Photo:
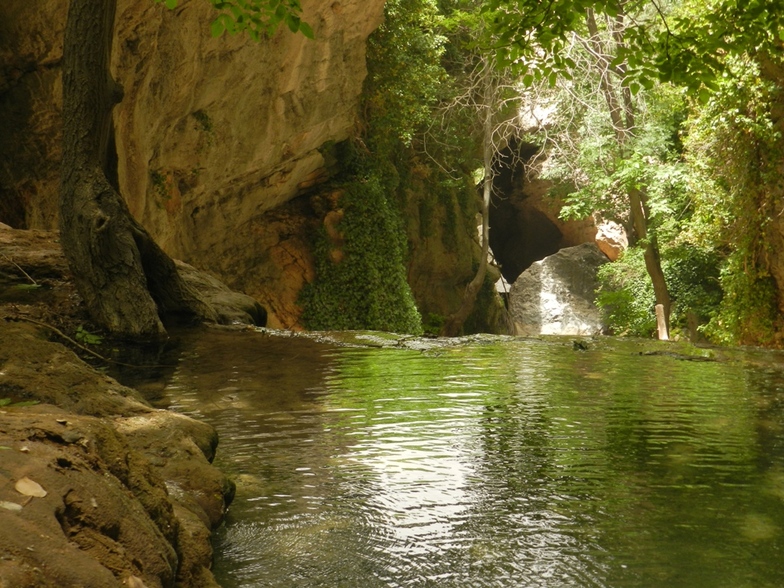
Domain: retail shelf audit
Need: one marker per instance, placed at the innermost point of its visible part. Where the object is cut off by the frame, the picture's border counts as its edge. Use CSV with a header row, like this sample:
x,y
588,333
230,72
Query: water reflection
x,y
499,463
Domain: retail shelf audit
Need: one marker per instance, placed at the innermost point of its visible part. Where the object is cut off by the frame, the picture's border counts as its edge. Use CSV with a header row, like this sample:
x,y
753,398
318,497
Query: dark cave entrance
x,y
520,231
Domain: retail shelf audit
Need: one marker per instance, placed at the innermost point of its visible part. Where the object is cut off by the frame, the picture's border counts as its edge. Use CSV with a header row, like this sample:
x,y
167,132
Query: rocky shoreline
x,y
97,488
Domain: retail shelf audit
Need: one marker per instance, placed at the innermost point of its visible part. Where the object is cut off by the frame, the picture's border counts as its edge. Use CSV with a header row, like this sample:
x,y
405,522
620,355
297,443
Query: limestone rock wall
x,y
212,133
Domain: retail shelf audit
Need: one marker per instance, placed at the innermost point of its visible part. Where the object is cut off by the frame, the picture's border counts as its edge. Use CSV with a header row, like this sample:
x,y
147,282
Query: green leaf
x,y
217,28
171,4
306,30
5,401
292,22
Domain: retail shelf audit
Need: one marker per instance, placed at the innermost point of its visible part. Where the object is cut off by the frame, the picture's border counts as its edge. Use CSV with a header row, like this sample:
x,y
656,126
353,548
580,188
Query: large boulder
x,y
556,296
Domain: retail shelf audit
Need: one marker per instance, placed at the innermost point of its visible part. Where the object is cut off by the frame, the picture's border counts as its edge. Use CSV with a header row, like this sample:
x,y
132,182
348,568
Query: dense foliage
x,y
406,178
367,289
703,81
627,296
734,150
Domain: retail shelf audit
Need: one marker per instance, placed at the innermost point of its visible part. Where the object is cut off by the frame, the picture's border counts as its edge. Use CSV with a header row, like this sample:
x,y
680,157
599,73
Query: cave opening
x,y
520,232
524,223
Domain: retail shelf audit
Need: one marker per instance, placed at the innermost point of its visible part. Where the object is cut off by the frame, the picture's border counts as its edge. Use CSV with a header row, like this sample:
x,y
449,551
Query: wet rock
x,y
556,296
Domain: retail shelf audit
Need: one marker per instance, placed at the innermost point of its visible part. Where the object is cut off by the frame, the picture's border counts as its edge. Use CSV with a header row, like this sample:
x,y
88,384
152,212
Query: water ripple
x,y
503,462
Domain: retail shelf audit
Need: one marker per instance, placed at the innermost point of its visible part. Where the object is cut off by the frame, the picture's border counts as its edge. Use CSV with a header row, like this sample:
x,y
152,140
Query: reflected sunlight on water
x,y
503,462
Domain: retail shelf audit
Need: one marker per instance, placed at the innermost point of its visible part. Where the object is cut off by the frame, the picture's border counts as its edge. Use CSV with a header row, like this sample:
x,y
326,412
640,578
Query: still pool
x,y
491,461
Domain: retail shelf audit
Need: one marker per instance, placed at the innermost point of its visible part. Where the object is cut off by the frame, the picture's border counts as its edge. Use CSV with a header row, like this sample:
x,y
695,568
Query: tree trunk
x,y
639,212
124,277
454,323
624,130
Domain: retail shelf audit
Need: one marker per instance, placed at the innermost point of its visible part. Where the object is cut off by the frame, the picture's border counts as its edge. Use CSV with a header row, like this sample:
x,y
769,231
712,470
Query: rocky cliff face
x,y
213,135
31,46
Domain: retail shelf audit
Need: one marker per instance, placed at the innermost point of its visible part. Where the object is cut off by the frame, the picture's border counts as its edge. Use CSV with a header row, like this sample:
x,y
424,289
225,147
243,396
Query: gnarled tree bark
x,y
124,277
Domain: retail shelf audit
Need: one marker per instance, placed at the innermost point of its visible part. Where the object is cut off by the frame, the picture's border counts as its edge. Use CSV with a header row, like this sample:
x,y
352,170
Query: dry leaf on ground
x,y
29,487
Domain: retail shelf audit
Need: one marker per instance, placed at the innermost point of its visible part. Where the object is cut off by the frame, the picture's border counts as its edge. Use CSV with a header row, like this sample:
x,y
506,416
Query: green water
x,y
497,462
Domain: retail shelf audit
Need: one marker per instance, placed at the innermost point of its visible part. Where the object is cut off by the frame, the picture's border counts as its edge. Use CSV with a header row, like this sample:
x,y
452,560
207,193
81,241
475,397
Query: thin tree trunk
x,y
624,130
639,212
124,277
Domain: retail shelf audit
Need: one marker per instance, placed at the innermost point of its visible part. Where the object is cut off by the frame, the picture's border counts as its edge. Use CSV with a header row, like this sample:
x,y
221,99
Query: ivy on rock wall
x,y
734,150
360,265
361,254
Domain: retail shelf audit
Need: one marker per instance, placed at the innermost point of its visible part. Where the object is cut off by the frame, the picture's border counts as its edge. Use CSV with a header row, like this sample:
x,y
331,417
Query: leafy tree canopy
x,y
683,43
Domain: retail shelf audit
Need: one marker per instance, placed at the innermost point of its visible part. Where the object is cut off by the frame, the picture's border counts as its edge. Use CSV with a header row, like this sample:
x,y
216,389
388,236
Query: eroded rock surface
x,y
130,492
131,496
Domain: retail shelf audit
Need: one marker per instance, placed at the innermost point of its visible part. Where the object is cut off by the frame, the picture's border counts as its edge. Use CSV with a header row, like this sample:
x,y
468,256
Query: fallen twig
x,y
79,345
28,276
